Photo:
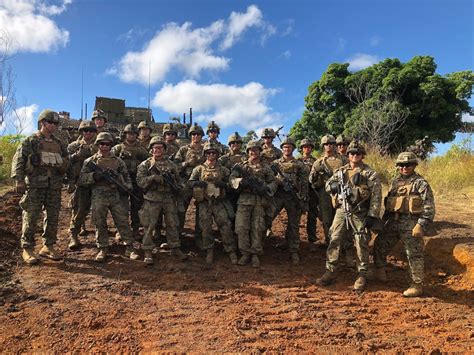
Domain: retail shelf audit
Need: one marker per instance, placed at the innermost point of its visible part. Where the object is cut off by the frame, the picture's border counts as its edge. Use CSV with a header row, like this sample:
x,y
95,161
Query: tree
x,y
7,81
389,104
250,136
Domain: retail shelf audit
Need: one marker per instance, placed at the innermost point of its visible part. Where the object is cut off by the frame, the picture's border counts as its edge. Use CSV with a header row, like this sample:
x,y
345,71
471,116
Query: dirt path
x,y
123,305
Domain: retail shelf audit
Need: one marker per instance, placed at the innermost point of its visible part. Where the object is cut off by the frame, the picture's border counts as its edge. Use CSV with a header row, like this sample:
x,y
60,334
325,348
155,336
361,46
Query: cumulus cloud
x,y
188,50
27,25
361,61
245,106
467,117
21,121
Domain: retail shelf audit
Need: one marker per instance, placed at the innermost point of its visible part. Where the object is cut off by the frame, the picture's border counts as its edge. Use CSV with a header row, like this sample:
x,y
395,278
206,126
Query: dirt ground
x,y
123,305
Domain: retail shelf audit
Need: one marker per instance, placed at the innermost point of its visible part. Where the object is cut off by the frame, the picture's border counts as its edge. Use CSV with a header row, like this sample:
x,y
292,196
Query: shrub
x,y
8,145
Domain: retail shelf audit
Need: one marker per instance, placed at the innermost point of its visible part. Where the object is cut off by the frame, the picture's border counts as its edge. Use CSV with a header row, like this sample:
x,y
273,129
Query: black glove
x,y
334,186
98,176
369,222
199,183
221,184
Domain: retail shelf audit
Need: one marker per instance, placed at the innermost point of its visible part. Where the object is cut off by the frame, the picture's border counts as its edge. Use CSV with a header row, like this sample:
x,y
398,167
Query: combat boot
x,y
380,274
74,242
131,253
244,259
255,261
101,255
415,290
148,259
177,253
29,256
359,284
328,278
48,251
136,235
209,256
233,258
295,258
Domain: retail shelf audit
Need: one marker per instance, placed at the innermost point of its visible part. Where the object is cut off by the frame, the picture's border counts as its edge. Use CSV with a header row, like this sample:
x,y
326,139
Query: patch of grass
x,y
8,145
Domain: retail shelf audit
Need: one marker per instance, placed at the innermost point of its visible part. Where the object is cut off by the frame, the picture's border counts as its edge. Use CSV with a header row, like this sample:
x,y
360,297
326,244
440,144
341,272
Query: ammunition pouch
x,y
412,204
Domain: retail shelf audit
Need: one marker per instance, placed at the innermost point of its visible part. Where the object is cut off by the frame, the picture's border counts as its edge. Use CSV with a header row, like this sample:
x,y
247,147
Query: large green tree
x,y
389,104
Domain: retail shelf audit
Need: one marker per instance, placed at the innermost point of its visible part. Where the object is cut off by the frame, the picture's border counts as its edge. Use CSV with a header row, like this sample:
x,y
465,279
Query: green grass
x,y
8,145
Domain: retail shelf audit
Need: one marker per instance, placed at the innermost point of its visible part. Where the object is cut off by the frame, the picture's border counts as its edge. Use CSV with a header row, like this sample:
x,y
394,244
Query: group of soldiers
x,y
148,182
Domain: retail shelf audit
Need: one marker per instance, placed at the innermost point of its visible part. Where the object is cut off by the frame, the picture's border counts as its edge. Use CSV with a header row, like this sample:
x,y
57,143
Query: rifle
x,y
277,133
255,184
112,177
287,183
344,192
168,179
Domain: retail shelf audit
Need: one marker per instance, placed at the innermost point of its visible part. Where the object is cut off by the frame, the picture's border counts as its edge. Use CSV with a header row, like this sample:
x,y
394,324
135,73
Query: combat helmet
x,y
144,124
214,127
89,125
104,136
406,158
355,147
169,128
288,140
234,138
196,129
156,140
49,115
130,128
268,133
210,146
253,144
341,139
328,139
306,141
99,114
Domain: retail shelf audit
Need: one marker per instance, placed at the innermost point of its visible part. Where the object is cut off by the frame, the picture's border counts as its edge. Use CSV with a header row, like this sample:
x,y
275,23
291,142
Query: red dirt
x,y
123,305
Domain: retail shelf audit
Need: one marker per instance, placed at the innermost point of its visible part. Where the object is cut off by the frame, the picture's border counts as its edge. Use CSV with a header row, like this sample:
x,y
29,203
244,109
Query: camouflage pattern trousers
x,y
312,215
339,233
326,212
395,230
111,201
292,207
32,203
215,210
250,227
151,214
135,204
81,205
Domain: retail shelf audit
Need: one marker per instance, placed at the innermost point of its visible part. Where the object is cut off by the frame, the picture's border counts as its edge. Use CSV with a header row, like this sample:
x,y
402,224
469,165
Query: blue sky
x,y
245,64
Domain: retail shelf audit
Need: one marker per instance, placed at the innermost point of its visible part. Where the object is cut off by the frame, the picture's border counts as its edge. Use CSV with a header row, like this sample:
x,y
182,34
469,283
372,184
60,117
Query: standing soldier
x,y
108,178
213,132
292,193
306,148
100,120
159,179
256,183
209,181
321,171
170,133
188,157
79,151
38,168
409,210
356,212
342,142
132,153
144,135
269,151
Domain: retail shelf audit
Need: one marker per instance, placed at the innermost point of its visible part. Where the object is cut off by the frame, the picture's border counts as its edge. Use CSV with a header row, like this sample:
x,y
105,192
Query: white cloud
x,y
467,117
28,26
361,61
290,23
286,54
245,106
239,23
375,40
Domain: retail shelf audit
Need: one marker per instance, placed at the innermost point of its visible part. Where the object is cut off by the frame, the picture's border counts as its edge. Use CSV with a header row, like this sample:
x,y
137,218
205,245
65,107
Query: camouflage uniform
x,y
365,201
223,149
251,206
106,196
132,154
144,141
171,147
41,163
410,201
79,151
270,153
211,204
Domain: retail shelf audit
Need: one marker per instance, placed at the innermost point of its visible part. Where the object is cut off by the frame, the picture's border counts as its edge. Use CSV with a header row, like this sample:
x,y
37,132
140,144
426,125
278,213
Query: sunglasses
x,y
405,165
89,130
341,145
173,134
105,143
355,153
52,122
195,134
329,144
211,152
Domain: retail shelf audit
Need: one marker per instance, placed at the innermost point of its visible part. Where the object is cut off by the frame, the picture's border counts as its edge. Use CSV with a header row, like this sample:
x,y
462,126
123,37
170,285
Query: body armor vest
x,y
401,199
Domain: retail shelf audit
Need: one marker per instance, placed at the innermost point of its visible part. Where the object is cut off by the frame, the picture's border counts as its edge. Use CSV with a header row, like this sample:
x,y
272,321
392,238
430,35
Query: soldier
x,y
409,210
269,151
256,183
158,176
362,211
342,142
79,151
107,175
144,136
170,133
100,120
213,132
188,157
132,153
306,148
38,168
292,193
209,181
321,171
